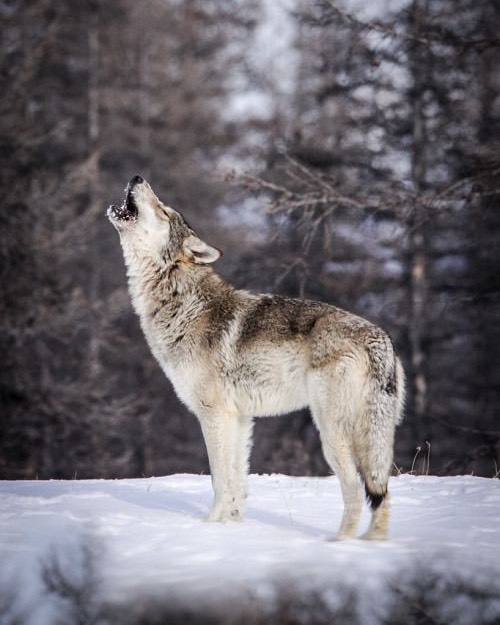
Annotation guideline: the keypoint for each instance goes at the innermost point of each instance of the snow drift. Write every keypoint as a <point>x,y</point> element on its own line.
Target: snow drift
<point>139,551</point>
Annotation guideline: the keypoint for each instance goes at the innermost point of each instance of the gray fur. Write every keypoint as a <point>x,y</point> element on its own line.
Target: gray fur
<point>233,355</point>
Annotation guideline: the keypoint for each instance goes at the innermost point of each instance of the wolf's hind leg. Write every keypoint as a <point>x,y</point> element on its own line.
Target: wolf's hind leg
<point>337,398</point>
<point>379,523</point>
<point>375,460</point>
<point>376,443</point>
<point>340,457</point>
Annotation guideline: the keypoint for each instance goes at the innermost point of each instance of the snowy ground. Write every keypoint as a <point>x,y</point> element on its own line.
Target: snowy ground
<point>69,547</point>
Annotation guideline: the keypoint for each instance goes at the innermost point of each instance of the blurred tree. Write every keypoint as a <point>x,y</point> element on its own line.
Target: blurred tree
<point>92,100</point>
<point>376,199</point>
<point>380,168</point>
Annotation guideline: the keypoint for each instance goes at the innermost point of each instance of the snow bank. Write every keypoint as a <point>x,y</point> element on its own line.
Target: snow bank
<point>108,547</point>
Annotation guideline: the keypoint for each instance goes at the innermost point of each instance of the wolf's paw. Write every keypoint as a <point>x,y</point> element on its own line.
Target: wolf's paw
<point>216,516</point>
<point>222,515</point>
<point>236,515</point>
<point>342,536</point>
<point>374,535</point>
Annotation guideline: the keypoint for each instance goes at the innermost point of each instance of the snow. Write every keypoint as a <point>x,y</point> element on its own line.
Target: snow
<point>148,539</point>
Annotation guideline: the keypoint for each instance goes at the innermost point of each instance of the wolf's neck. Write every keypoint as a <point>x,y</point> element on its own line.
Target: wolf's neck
<point>163,290</point>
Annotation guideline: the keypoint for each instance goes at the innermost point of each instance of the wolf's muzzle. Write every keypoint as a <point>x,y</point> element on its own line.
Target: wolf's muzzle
<point>128,210</point>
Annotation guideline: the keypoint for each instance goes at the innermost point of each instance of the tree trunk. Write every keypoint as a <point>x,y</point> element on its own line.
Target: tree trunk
<point>93,184</point>
<point>418,256</point>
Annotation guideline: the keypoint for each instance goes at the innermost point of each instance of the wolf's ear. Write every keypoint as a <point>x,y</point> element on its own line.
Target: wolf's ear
<point>198,251</point>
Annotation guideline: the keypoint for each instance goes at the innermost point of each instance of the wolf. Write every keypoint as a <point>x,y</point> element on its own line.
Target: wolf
<point>233,355</point>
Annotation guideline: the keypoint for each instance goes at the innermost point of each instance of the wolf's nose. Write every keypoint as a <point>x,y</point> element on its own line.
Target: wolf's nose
<point>136,180</point>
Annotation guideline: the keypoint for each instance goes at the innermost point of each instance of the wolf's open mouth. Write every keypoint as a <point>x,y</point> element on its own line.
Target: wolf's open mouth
<point>128,210</point>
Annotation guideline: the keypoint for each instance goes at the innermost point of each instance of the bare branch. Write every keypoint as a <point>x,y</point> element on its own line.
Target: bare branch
<point>444,37</point>
<point>309,193</point>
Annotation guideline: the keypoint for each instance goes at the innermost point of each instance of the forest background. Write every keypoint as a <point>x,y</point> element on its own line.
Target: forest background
<point>342,151</point>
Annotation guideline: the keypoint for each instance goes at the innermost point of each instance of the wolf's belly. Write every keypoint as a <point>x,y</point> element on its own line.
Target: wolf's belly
<point>269,383</point>
<point>267,401</point>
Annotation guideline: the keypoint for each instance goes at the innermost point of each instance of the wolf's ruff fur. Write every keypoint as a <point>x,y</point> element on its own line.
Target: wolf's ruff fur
<point>233,355</point>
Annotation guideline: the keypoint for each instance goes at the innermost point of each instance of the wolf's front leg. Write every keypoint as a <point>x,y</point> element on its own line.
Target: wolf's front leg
<point>221,434</point>
<point>240,455</point>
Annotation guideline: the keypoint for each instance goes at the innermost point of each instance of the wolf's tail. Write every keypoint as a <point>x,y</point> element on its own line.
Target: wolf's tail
<point>386,391</point>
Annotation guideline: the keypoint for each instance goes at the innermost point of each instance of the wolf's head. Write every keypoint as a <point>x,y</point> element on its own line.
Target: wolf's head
<point>148,229</point>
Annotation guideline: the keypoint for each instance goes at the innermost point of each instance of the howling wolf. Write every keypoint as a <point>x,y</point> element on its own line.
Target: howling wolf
<point>233,355</point>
